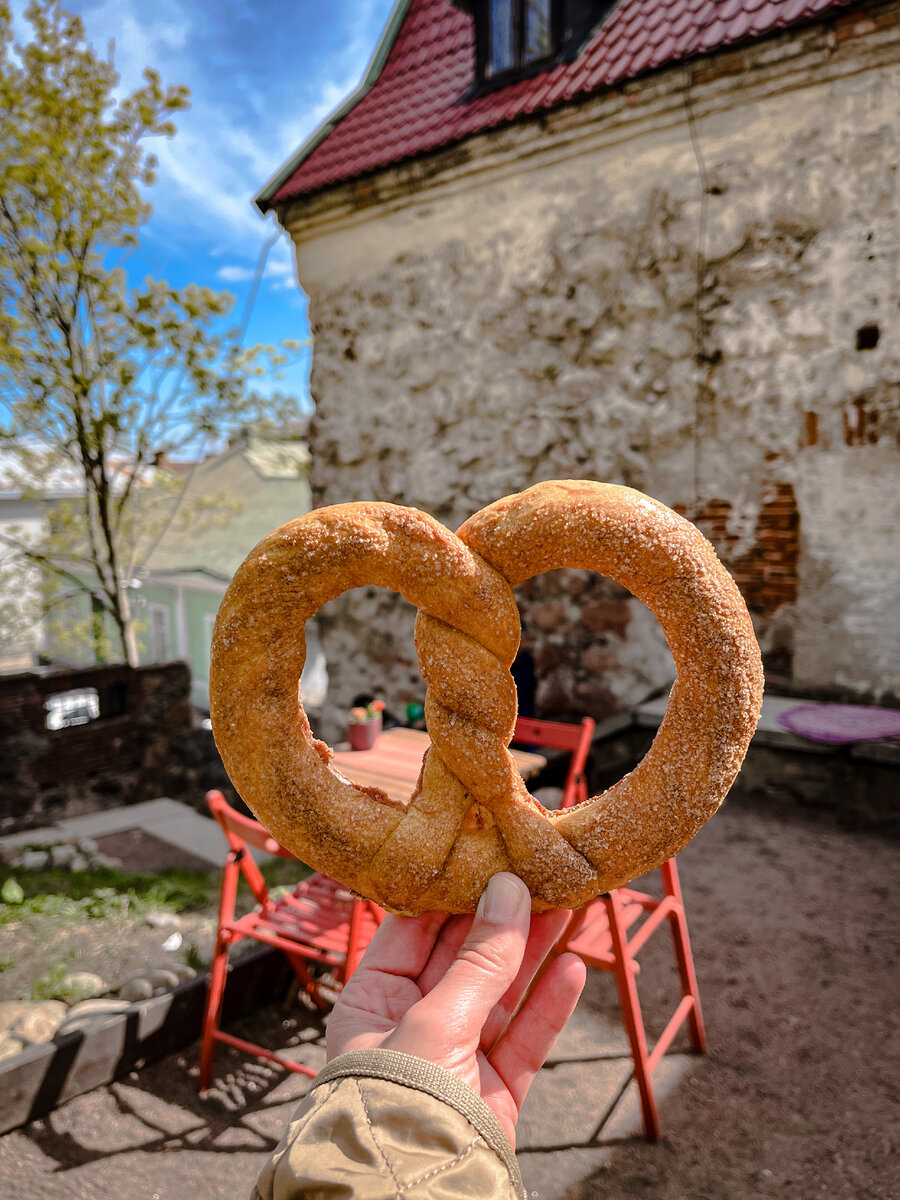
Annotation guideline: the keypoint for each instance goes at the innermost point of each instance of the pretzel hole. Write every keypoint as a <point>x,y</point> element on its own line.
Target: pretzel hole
<point>594,648</point>
<point>367,634</point>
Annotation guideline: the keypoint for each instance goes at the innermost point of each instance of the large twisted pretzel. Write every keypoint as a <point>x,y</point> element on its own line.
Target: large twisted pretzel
<point>470,814</point>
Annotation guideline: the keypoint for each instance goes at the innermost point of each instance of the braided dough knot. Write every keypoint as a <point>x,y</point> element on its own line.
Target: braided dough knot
<point>470,814</point>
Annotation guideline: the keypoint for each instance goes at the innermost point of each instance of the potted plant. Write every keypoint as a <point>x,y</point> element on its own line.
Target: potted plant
<point>364,725</point>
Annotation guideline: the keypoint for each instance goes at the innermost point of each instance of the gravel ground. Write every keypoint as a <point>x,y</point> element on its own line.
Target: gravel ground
<point>795,939</point>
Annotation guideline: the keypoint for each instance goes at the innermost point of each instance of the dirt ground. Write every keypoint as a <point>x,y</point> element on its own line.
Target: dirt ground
<point>794,931</point>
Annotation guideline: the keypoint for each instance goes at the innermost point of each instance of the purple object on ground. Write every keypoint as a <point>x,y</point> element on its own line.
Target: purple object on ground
<point>842,723</point>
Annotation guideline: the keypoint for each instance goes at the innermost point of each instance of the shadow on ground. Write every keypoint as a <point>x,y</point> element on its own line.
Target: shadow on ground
<point>795,945</point>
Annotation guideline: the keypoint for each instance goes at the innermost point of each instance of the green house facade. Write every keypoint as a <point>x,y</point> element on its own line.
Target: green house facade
<point>239,495</point>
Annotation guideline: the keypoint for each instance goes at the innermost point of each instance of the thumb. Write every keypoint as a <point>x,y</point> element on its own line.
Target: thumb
<point>488,960</point>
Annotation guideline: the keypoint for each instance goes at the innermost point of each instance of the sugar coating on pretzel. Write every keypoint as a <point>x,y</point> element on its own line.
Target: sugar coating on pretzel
<point>470,814</point>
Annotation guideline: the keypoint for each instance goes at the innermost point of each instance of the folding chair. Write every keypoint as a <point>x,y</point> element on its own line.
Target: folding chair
<point>557,735</point>
<point>318,922</point>
<point>599,933</point>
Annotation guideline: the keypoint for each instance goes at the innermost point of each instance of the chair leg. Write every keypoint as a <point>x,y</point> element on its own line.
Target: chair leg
<point>306,981</point>
<point>631,1014</point>
<point>683,956</point>
<point>214,995</point>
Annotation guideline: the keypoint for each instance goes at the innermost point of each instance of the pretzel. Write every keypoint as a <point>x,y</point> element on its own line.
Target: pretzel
<point>470,814</point>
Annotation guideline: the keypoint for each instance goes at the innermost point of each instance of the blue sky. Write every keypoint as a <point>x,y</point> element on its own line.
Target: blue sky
<point>263,74</point>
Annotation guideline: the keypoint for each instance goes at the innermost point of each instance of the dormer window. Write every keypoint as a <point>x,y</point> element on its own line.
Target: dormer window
<point>517,38</point>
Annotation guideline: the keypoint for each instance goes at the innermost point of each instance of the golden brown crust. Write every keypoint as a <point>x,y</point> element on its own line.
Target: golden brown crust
<point>426,855</point>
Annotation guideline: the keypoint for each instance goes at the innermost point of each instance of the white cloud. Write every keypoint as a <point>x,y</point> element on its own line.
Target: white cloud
<point>234,274</point>
<point>245,119</point>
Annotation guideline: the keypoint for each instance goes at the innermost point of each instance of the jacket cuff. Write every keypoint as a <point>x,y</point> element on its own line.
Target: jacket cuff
<point>428,1077</point>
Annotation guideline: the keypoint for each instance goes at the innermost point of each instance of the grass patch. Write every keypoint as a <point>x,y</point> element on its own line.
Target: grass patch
<point>100,892</point>
<point>58,921</point>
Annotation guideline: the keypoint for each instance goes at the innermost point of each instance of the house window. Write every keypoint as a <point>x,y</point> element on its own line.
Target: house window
<point>519,37</point>
<point>159,632</point>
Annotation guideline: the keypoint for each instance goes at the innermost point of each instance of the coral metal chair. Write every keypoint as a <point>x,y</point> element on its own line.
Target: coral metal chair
<point>560,736</point>
<point>319,922</point>
<point>599,932</point>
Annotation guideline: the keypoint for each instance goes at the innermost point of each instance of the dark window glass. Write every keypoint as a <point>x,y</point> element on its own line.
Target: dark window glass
<point>502,55</point>
<point>538,30</point>
<point>579,17</point>
<point>520,35</point>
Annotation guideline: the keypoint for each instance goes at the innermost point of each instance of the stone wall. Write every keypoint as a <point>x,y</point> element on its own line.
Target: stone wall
<point>688,286</point>
<point>141,746</point>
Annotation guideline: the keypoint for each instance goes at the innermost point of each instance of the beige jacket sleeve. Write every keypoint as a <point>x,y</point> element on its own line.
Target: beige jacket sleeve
<point>378,1125</point>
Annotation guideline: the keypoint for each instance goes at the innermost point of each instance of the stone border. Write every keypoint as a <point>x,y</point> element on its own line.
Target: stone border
<point>46,1075</point>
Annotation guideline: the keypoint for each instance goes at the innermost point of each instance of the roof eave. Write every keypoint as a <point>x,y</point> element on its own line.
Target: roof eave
<point>373,71</point>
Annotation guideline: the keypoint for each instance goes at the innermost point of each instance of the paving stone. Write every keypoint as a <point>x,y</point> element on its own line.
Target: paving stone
<point>549,1176</point>
<point>238,1137</point>
<point>96,1123</point>
<point>566,1102</point>
<point>596,1025</point>
<point>153,1110</point>
<point>272,1120</point>
<point>294,1085</point>
<point>626,1121</point>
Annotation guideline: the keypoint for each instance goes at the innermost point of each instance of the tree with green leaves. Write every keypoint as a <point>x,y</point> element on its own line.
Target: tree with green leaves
<point>99,378</point>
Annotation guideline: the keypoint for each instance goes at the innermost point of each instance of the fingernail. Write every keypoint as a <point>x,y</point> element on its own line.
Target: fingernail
<point>501,899</point>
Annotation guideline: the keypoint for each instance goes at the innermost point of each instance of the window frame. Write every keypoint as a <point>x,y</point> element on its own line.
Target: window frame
<point>562,50</point>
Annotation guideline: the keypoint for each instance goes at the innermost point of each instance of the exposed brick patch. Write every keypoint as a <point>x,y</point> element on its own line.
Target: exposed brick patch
<point>861,420</point>
<point>812,429</point>
<point>853,25</point>
<point>766,573</point>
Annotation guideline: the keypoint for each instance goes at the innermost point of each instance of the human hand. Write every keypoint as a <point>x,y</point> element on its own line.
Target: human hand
<point>448,989</point>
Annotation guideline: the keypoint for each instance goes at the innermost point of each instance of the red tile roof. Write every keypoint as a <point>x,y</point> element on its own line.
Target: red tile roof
<point>415,103</point>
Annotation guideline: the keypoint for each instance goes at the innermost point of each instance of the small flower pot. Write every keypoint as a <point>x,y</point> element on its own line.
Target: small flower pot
<point>362,735</point>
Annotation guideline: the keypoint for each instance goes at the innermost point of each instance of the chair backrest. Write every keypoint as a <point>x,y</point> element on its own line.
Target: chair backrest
<point>240,829</point>
<point>562,736</point>
<point>241,833</point>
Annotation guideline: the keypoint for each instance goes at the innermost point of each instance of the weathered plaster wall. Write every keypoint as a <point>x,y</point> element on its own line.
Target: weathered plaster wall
<point>705,309</point>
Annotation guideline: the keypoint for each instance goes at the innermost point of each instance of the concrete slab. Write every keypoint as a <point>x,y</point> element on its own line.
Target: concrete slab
<point>273,1120</point>
<point>132,816</point>
<point>549,1175</point>
<point>567,1103</point>
<point>592,1030</point>
<point>626,1119</point>
<point>44,836</point>
<point>154,1111</point>
<point>166,819</point>
<point>768,731</point>
<point>104,1128</point>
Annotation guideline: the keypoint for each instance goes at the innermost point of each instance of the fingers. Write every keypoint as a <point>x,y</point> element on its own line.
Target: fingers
<point>446,948</point>
<point>521,1052</point>
<point>487,962</point>
<point>402,945</point>
<point>546,929</point>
